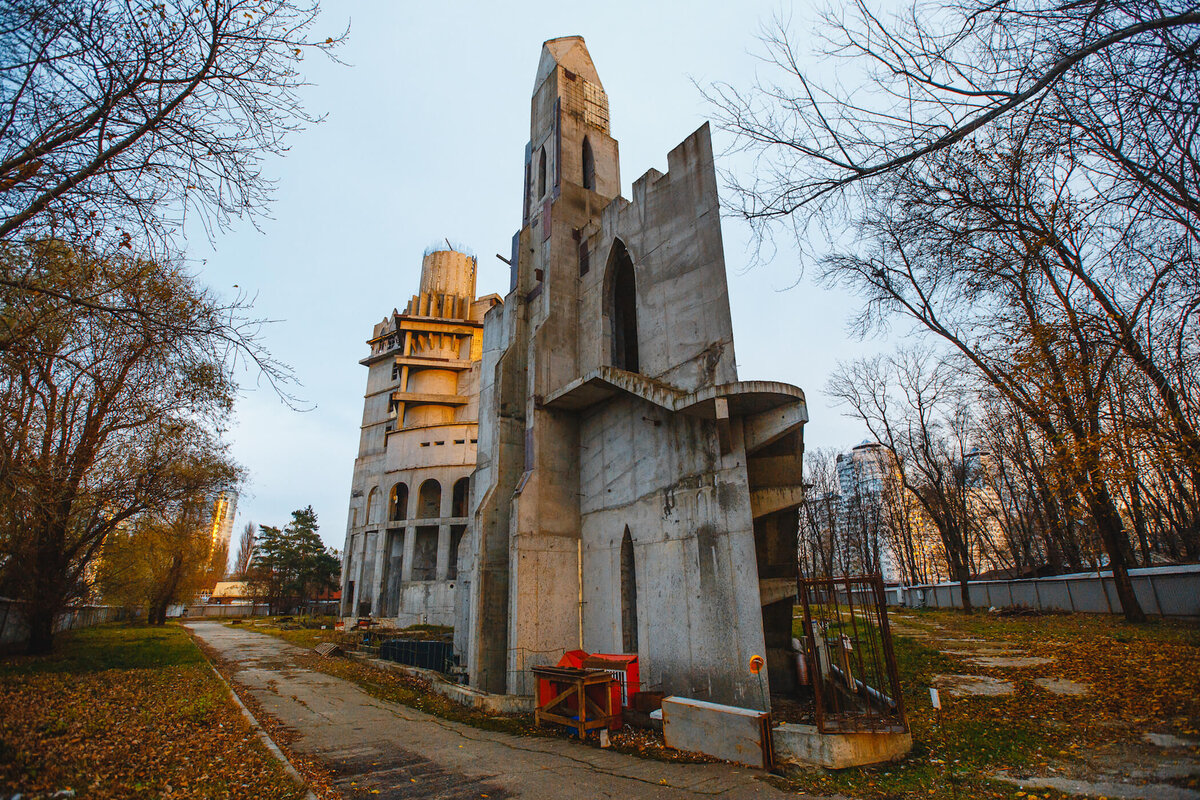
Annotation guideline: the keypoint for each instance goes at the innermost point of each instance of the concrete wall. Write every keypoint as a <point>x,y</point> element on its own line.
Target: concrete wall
<point>688,512</point>
<point>671,229</point>
<point>1162,591</point>
<point>557,485</point>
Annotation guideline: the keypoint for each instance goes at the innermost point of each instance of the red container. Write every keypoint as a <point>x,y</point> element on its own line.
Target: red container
<point>622,666</point>
<point>624,669</point>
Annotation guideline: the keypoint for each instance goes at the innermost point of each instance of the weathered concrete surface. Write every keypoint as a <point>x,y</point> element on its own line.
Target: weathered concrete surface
<point>417,447</point>
<point>968,685</point>
<point>1131,791</point>
<point>630,493</point>
<point>1167,740</point>
<point>465,695</point>
<point>1010,661</point>
<point>370,744</point>
<point>735,734</point>
<point>804,744</point>
<point>1063,686</point>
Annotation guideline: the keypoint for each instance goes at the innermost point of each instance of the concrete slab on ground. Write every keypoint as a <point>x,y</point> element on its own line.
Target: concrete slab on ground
<point>1009,661</point>
<point>1113,789</point>
<point>1063,686</point>
<point>973,685</point>
<point>1167,740</point>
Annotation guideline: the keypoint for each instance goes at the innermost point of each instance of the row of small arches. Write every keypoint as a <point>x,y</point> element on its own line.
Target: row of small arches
<point>429,501</point>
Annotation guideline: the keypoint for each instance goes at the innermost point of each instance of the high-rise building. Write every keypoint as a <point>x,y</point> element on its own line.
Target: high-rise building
<point>223,511</point>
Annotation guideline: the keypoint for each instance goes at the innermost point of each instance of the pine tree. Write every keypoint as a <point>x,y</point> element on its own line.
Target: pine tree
<point>292,565</point>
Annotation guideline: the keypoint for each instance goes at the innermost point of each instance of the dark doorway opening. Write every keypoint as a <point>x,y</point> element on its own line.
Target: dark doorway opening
<point>629,618</point>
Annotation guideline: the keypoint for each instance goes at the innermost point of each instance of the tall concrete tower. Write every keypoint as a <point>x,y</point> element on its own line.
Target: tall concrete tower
<point>409,496</point>
<point>619,501</point>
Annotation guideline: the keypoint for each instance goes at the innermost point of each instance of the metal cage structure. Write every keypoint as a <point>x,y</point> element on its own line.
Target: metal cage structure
<point>849,654</point>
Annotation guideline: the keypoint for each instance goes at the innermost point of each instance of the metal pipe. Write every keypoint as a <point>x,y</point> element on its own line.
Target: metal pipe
<point>870,691</point>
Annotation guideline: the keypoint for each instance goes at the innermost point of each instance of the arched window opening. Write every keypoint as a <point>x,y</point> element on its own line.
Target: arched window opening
<point>541,186</point>
<point>429,500</point>
<point>461,498</point>
<point>629,617</point>
<point>398,503</point>
<point>623,308</point>
<point>589,166</point>
<point>372,502</point>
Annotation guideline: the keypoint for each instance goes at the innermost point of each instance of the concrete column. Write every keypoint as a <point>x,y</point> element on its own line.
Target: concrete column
<point>379,608</point>
<point>410,541</point>
<point>443,553</point>
<point>358,573</point>
<point>349,575</point>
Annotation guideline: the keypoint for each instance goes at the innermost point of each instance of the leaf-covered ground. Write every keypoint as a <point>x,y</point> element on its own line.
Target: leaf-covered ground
<point>128,712</point>
<point>1140,679</point>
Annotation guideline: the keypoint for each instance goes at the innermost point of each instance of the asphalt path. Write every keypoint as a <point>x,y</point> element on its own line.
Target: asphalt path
<point>377,749</point>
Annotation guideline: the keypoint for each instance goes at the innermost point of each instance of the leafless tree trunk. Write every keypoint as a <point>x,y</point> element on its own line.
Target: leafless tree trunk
<point>916,408</point>
<point>245,552</point>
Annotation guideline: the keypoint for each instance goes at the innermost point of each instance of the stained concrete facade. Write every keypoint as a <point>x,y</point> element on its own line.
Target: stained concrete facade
<point>631,495</point>
<point>410,494</point>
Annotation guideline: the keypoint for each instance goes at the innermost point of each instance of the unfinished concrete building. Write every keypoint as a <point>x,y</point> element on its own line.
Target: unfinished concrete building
<point>409,497</point>
<point>631,494</point>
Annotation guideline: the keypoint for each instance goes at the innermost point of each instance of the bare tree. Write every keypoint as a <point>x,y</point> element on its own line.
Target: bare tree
<point>915,406</point>
<point>96,412</point>
<point>245,552</point>
<point>117,118</point>
<point>1116,80</point>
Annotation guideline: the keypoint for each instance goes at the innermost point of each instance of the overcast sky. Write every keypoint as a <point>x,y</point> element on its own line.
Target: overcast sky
<point>424,133</point>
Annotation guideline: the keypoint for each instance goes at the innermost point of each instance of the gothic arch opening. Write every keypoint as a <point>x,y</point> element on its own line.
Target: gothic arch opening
<point>622,308</point>
<point>629,614</point>
<point>461,497</point>
<point>589,166</point>
<point>429,500</point>
<point>398,503</point>
<point>541,183</point>
<point>371,504</point>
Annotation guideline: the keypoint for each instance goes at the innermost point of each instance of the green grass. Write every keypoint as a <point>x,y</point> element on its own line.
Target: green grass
<point>300,631</point>
<point>107,647</point>
<point>121,711</point>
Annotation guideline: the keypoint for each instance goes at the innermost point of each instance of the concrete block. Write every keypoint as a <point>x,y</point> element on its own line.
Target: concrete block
<point>804,744</point>
<point>728,732</point>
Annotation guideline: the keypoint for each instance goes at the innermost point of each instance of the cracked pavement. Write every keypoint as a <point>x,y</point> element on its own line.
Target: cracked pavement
<point>381,749</point>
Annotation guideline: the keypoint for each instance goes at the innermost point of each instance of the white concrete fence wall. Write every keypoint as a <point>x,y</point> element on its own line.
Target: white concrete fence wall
<point>1162,591</point>
<point>224,610</point>
<point>13,627</point>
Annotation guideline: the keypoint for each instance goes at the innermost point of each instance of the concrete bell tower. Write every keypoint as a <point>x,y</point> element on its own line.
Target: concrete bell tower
<point>625,477</point>
<point>569,141</point>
